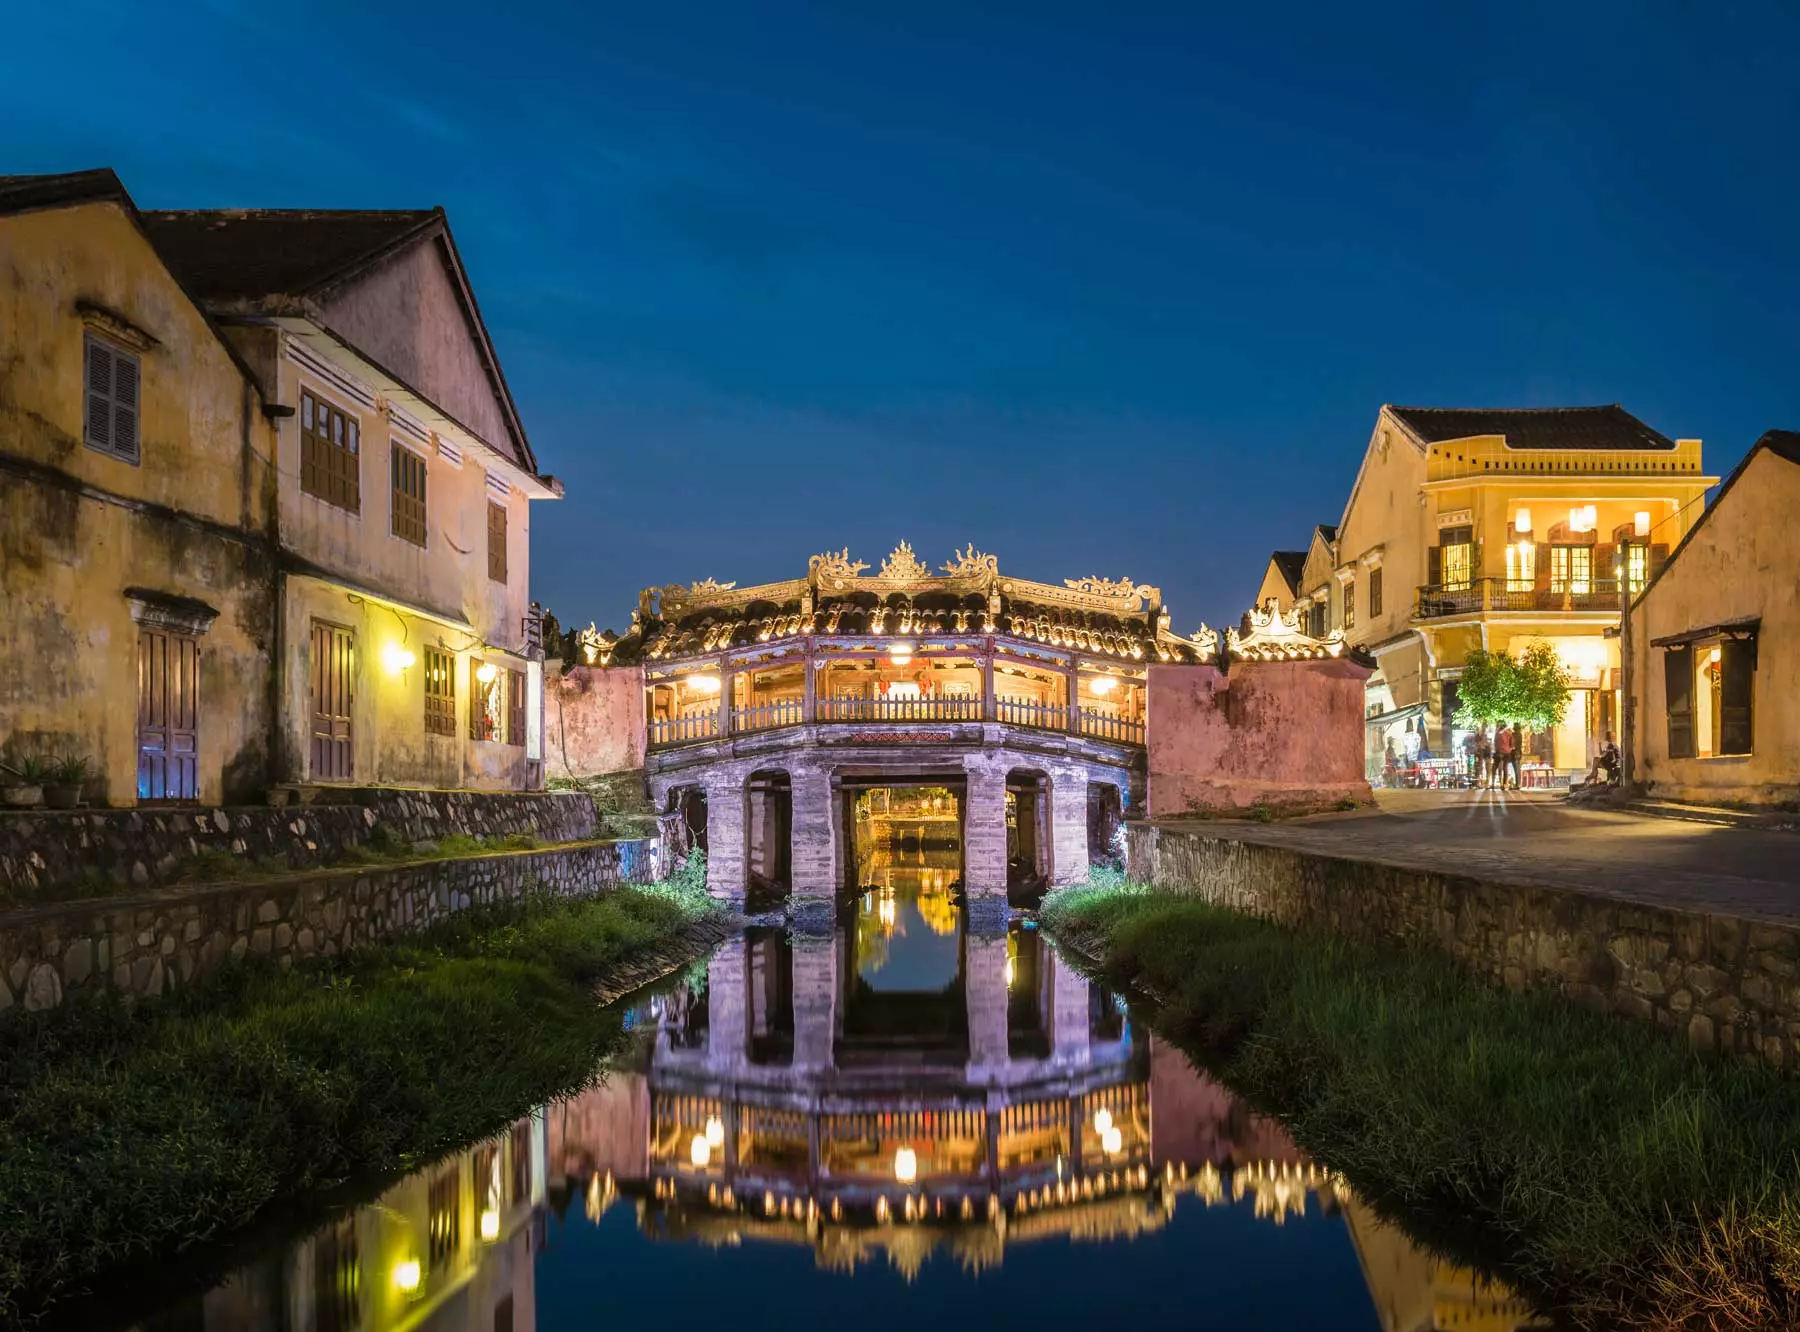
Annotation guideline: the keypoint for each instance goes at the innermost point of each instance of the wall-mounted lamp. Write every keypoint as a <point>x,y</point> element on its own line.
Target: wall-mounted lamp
<point>395,659</point>
<point>1522,522</point>
<point>906,1165</point>
<point>407,1274</point>
<point>1104,685</point>
<point>487,672</point>
<point>1640,524</point>
<point>490,1225</point>
<point>703,684</point>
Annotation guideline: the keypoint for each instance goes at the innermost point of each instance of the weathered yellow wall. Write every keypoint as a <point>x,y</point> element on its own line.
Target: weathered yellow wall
<point>1384,515</point>
<point>1742,563</point>
<point>78,526</point>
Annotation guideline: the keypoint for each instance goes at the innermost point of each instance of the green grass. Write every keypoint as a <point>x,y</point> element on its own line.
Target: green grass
<point>1594,1164</point>
<point>131,1134</point>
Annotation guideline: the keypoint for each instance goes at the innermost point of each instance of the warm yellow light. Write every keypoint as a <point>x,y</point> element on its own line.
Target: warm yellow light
<point>900,653</point>
<point>396,658</point>
<point>1103,1121</point>
<point>703,684</point>
<point>1640,524</point>
<point>1584,518</point>
<point>487,672</point>
<point>1112,1140</point>
<point>885,912</point>
<point>490,1225</point>
<point>407,1274</point>
<point>1522,522</point>
<point>906,1165</point>
<point>700,1150</point>
<point>1104,685</point>
<point>715,1132</point>
<point>1012,973</point>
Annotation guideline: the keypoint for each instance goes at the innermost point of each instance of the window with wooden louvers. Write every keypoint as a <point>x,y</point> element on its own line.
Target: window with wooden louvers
<point>497,542</point>
<point>330,468</point>
<point>408,470</point>
<point>515,707</point>
<point>1678,697</point>
<point>112,400</point>
<point>1737,687</point>
<point>440,692</point>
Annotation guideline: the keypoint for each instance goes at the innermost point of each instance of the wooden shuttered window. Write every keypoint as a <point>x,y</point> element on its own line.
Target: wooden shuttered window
<point>1350,605</point>
<point>330,444</point>
<point>496,542</point>
<point>515,707</point>
<point>1375,594</point>
<point>443,1217</point>
<point>1737,689</point>
<point>333,670</point>
<point>408,508</point>
<point>168,720</point>
<point>112,380</point>
<point>1678,697</point>
<point>440,692</point>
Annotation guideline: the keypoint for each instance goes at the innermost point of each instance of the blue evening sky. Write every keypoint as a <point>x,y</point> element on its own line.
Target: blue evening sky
<point>1106,289</point>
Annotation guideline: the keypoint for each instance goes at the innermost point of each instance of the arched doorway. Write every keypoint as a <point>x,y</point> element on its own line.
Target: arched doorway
<point>769,835</point>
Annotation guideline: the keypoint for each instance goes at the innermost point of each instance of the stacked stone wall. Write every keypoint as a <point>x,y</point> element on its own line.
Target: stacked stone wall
<point>151,944</point>
<point>1717,981</point>
<point>43,851</point>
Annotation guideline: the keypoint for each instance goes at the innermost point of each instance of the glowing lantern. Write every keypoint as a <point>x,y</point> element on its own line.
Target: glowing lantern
<point>487,672</point>
<point>1112,1140</point>
<point>490,1225</point>
<point>1103,1121</point>
<point>407,1274</point>
<point>900,653</point>
<point>906,1165</point>
<point>1640,524</point>
<point>396,658</point>
<point>700,1150</point>
<point>715,1132</point>
<point>1104,685</point>
<point>1522,522</point>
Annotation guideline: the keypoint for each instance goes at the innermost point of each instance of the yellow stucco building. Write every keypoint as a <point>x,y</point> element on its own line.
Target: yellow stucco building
<point>1716,641</point>
<point>310,566</point>
<point>136,533</point>
<point>1497,529</point>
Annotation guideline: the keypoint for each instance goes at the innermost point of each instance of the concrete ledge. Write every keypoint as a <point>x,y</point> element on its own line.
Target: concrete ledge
<point>1717,981</point>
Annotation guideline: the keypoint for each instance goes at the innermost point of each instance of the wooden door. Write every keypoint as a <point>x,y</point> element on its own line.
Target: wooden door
<point>168,715</point>
<point>333,665</point>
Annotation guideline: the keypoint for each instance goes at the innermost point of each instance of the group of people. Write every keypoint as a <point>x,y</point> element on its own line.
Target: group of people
<point>1493,760</point>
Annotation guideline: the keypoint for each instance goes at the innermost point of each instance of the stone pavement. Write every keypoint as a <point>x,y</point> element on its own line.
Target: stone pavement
<point>1534,840</point>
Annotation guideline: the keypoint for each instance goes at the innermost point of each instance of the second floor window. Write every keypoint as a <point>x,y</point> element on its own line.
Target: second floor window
<point>111,376</point>
<point>1521,567</point>
<point>330,468</point>
<point>1571,569</point>
<point>1350,605</point>
<point>408,470</point>
<point>496,542</point>
<point>1375,594</point>
<point>1456,559</point>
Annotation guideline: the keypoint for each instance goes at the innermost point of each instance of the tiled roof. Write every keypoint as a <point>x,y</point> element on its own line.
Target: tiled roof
<point>1783,442</point>
<point>1608,427</point>
<point>255,254</point>
<point>20,194</point>
<point>1328,531</point>
<point>1291,563</point>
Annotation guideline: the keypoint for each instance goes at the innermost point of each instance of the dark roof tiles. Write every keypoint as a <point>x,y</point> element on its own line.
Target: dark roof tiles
<point>254,254</point>
<point>1608,427</point>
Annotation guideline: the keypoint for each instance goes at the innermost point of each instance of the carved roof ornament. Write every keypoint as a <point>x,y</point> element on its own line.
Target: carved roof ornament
<point>971,563</point>
<point>707,587</point>
<point>1205,641</point>
<point>1276,635</point>
<point>1104,587</point>
<point>837,567</point>
<point>596,647</point>
<point>902,566</point>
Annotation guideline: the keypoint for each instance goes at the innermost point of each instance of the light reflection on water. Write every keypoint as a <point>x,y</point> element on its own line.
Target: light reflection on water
<point>904,1122</point>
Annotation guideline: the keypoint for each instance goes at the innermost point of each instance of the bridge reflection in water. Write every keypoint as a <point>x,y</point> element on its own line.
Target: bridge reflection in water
<point>905,1095</point>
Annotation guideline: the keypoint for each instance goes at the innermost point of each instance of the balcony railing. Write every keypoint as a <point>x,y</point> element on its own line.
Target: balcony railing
<point>1438,600</point>
<point>684,730</point>
<point>791,712</point>
<point>1103,726</point>
<point>768,716</point>
<point>899,709</point>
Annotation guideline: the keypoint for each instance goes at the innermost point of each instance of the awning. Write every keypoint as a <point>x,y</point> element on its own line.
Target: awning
<point>1744,628</point>
<point>1397,715</point>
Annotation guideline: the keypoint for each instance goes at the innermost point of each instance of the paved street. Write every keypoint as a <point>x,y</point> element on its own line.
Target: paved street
<point>1541,840</point>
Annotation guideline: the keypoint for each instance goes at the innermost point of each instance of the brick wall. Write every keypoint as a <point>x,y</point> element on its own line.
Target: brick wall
<point>1716,981</point>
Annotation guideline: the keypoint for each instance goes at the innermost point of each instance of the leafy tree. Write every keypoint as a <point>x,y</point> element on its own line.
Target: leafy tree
<point>1533,690</point>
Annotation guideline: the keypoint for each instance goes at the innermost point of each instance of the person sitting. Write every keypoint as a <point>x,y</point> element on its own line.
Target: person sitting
<point>1606,764</point>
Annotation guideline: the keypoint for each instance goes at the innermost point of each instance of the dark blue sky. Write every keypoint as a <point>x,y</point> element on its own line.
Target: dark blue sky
<point>1105,289</point>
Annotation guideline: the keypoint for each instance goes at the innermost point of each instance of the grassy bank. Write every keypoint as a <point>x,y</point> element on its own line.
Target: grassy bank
<point>1592,1163</point>
<point>128,1134</point>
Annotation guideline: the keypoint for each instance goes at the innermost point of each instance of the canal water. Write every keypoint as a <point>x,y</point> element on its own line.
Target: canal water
<point>905,1126</point>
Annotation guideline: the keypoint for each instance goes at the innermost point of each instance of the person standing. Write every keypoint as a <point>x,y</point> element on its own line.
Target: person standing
<point>1518,749</point>
<point>1503,755</point>
<point>1484,757</point>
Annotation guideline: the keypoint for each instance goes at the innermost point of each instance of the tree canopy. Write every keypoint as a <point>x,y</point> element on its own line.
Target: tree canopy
<point>1532,690</point>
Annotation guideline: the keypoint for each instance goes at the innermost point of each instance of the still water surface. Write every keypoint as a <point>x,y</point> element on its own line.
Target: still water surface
<point>907,1125</point>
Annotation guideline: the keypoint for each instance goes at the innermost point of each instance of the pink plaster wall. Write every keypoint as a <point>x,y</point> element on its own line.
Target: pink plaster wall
<point>1288,734</point>
<point>593,720</point>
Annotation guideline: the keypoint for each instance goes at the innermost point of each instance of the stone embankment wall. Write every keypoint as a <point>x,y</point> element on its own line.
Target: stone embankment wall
<point>150,944</point>
<point>44,850</point>
<point>1717,981</point>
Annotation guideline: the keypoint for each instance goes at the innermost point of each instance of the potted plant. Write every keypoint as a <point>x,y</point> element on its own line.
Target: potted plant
<point>66,780</point>
<point>22,785</point>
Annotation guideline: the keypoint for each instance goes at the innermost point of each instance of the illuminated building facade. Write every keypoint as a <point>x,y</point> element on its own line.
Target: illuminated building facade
<point>1497,529</point>
<point>776,709</point>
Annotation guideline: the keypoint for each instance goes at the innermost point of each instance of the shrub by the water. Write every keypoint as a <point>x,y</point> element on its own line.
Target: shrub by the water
<point>1595,1164</point>
<point>126,1134</point>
